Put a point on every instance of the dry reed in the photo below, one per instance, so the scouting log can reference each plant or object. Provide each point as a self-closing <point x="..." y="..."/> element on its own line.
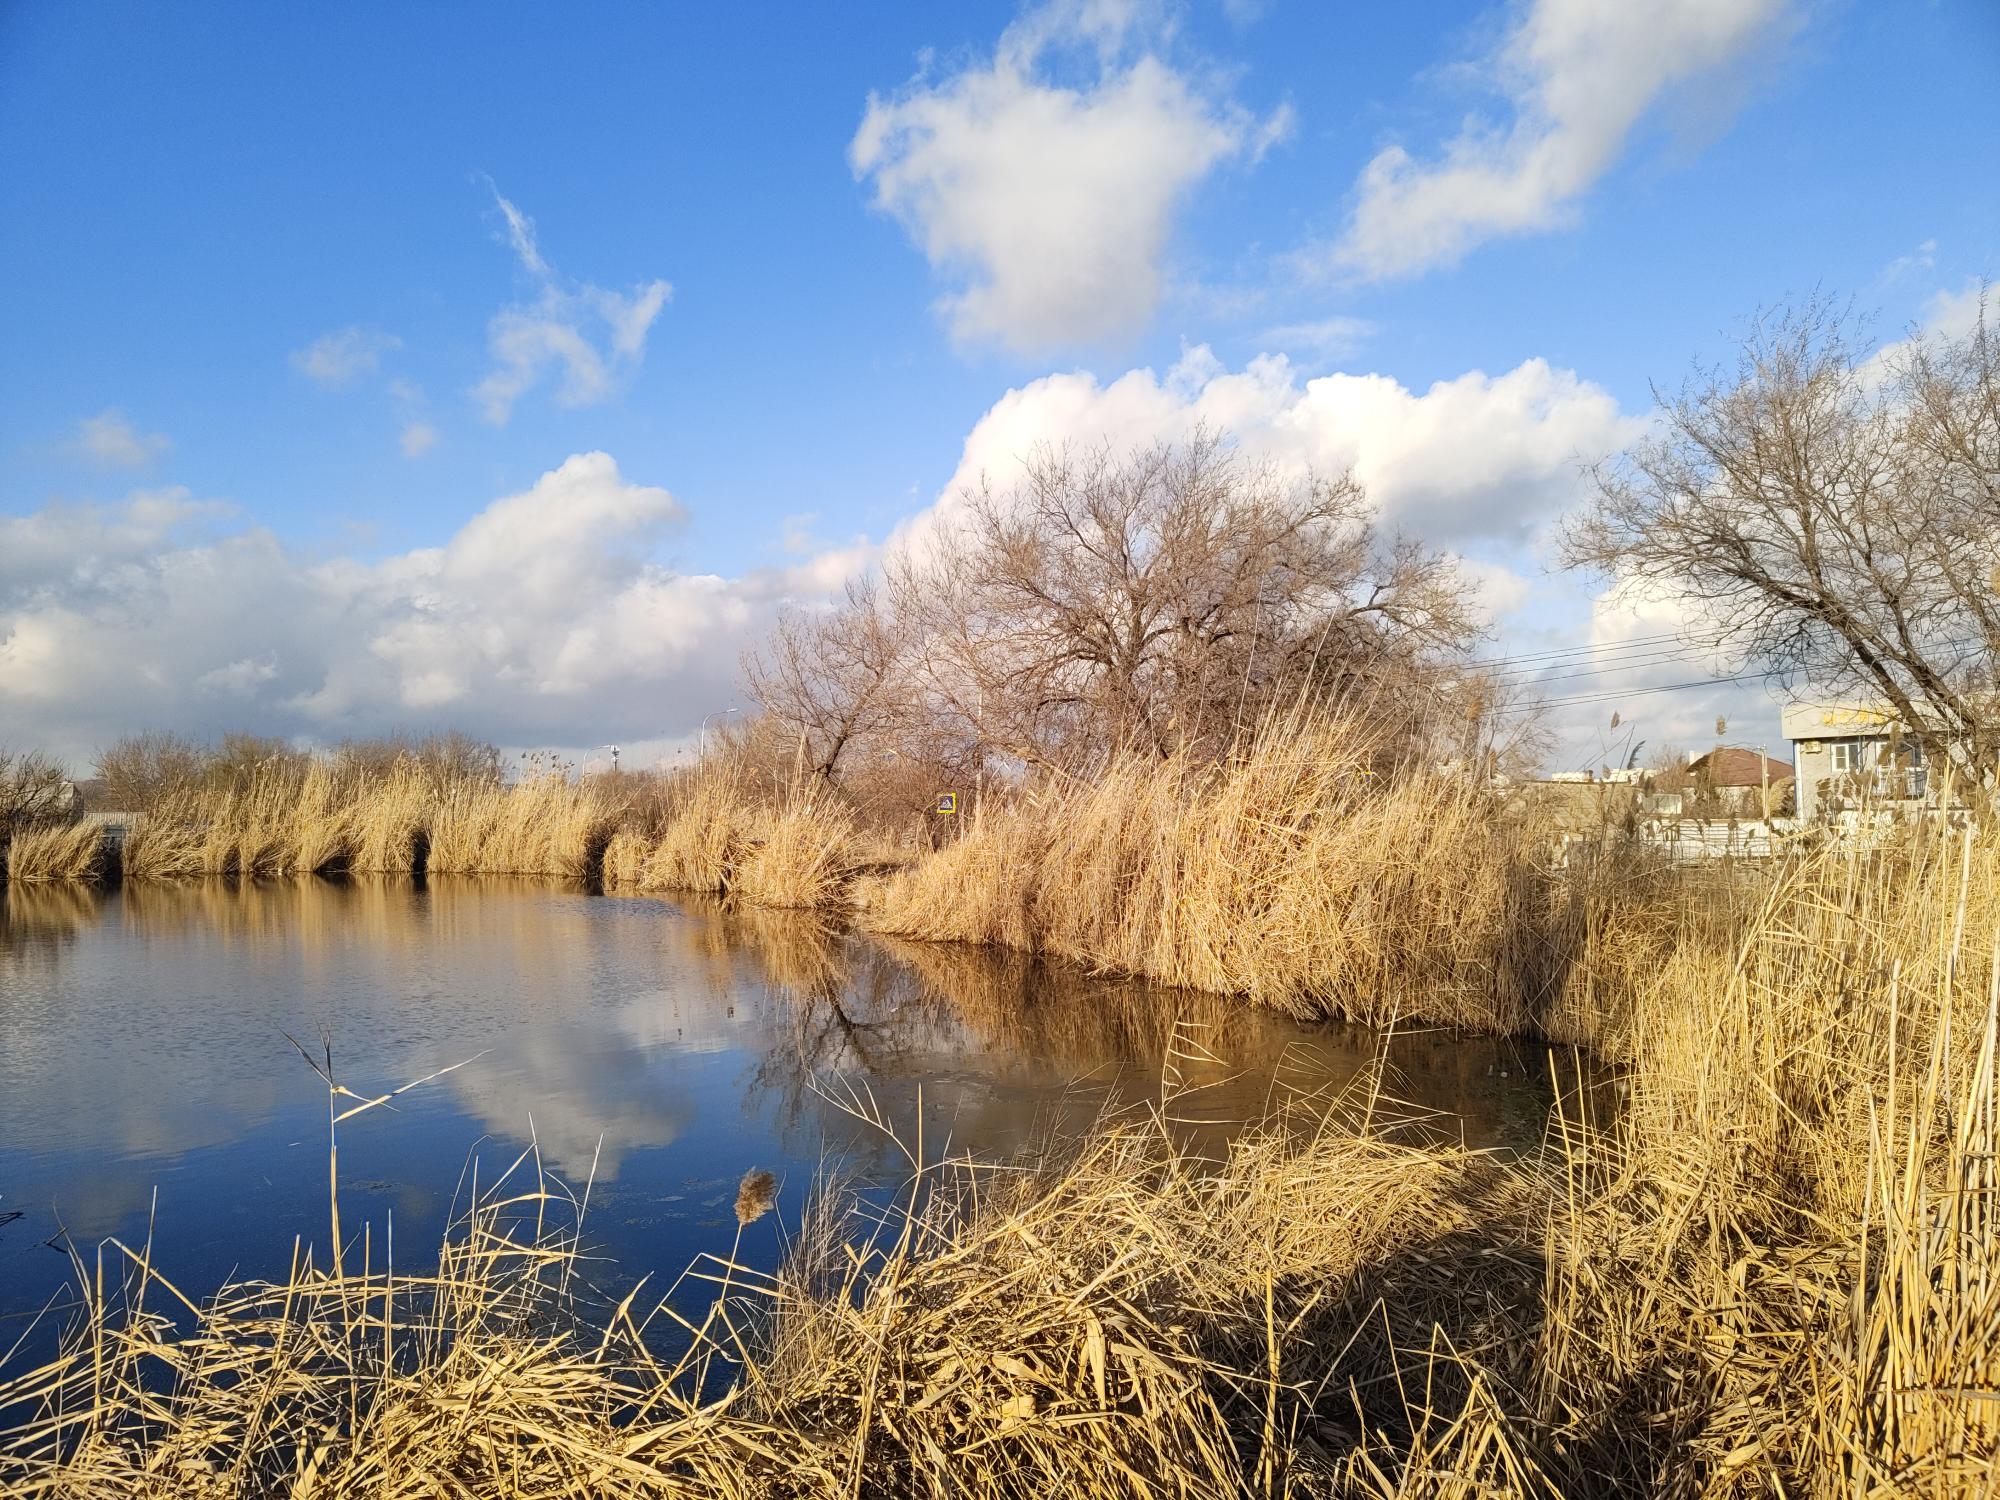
<point x="1301" y="873"/>
<point x="60" y="851"/>
<point x="796" y="851"/>
<point x="703" y="841"/>
<point x="546" y="825"/>
<point x="1775" y="1271"/>
<point x="802" y="856"/>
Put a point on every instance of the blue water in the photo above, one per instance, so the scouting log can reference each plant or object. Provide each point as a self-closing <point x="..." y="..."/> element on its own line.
<point x="653" y="1050"/>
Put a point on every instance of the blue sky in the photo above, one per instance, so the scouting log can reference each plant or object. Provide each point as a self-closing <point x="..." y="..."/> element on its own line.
<point x="274" y="364"/>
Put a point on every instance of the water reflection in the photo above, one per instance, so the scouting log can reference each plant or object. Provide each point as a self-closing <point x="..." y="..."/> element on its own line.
<point x="666" y="1047"/>
<point x="38" y="921"/>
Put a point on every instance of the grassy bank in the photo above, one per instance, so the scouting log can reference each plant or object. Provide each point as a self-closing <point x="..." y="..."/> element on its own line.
<point x="1309" y="872"/>
<point x="1303" y="873"/>
<point x="1776" y="1271"/>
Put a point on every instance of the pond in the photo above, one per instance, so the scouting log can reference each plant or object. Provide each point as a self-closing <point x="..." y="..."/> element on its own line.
<point x="656" y="1050"/>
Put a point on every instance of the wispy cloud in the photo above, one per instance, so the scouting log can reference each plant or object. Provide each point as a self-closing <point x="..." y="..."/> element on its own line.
<point x="586" y="336"/>
<point x="418" y="435"/>
<point x="110" y="440"/>
<point x="1923" y="258"/>
<point x="338" y="359"/>
<point x="1324" y="339"/>
<point x="1577" y="76"/>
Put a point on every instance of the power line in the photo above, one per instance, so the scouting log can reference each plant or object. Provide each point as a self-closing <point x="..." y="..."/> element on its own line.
<point x="1594" y="648"/>
<point x="1635" y="662"/>
<point x="1616" y="694"/>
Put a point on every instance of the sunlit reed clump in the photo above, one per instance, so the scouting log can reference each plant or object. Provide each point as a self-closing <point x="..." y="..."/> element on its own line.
<point x="802" y="853"/>
<point x="1304" y="872"/>
<point x="60" y="851"/>
<point x="703" y="840"/>
<point x="548" y="824"/>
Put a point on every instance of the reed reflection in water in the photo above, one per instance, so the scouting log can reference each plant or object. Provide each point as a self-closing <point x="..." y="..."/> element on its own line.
<point x="666" y="1047"/>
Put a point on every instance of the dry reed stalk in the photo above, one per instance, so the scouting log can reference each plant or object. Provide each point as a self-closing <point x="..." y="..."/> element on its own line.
<point x="546" y="825"/>
<point x="166" y="841"/>
<point x="392" y="820"/>
<point x="69" y="851"/>
<point x="625" y="859"/>
<point x="703" y="842"/>
<point x="803" y="855"/>
<point x="1093" y="1331"/>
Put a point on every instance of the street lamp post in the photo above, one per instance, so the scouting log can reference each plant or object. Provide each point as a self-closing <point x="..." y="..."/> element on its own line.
<point x="701" y="757"/>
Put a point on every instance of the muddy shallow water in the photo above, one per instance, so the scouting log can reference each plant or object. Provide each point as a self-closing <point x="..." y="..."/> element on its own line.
<point x="657" y="1049"/>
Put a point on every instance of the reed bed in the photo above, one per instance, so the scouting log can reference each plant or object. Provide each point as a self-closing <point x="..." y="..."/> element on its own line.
<point x="704" y="838"/>
<point x="391" y="825"/>
<point x="797" y="850"/>
<point x="1303" y="873"/>
<point x="1775" y="1271"/>
<point x="803" y="854"/>
<point x="546" y="825"/>
<point x="277" y="818"/>
<point x="60" y="851"/>
<point x="303" y="816"/>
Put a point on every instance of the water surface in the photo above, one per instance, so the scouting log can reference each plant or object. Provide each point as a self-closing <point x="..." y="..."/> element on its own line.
<point x="655" y="1049"/>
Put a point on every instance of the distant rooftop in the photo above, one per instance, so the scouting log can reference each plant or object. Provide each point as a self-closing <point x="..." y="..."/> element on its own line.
<point x="1732" y="766"/>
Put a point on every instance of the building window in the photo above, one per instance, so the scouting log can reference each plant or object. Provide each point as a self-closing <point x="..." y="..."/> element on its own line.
<point x="1903" y="770"/>
<point x="1915" y="769"/>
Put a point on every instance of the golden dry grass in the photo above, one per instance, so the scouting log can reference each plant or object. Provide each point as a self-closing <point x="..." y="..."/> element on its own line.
<point x="625" y="859"/>
<point x="546" y="825"/>
<point x="802" y="854"/>
<point x="1301" y="873"/>
<point x="704" y="837"/>
<point x="795" y="850"/>
<point x="391" y="829"/>
<point x="1774" y="1271"/>
<point x="295" y="818"/>
<point x="60" y="851"/>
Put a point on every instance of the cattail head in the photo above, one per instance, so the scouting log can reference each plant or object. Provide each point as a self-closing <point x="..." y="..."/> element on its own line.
<point x="754" y="1196"/>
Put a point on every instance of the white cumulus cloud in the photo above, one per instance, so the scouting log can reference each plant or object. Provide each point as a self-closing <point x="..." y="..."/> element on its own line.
<point x="1477" y="457"/>
<point x="1577" y="76"/>
<point x="585" y="336"/>
<point x="1050" y="205"/>
<point x="110" y="440"/>
<point x="547" y="618"/>
<point x="340" y="358"/>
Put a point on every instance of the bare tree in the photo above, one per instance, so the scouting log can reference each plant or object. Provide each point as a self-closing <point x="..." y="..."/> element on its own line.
<point x="34" y="790"/>
<point x="1160" y="601"/>
<point x="835" y="680"/>
<point x="1836" y="517"/>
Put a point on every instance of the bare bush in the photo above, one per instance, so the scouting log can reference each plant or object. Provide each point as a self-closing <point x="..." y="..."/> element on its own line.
<point x="139" y="770"/>
<point x="34" y="792"/>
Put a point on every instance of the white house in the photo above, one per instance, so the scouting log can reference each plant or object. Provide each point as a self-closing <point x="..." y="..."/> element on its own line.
<point x="1849" y="752"/>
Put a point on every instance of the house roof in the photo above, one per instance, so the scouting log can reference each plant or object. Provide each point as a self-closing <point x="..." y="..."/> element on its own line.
<point x="1731" y="766"/>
